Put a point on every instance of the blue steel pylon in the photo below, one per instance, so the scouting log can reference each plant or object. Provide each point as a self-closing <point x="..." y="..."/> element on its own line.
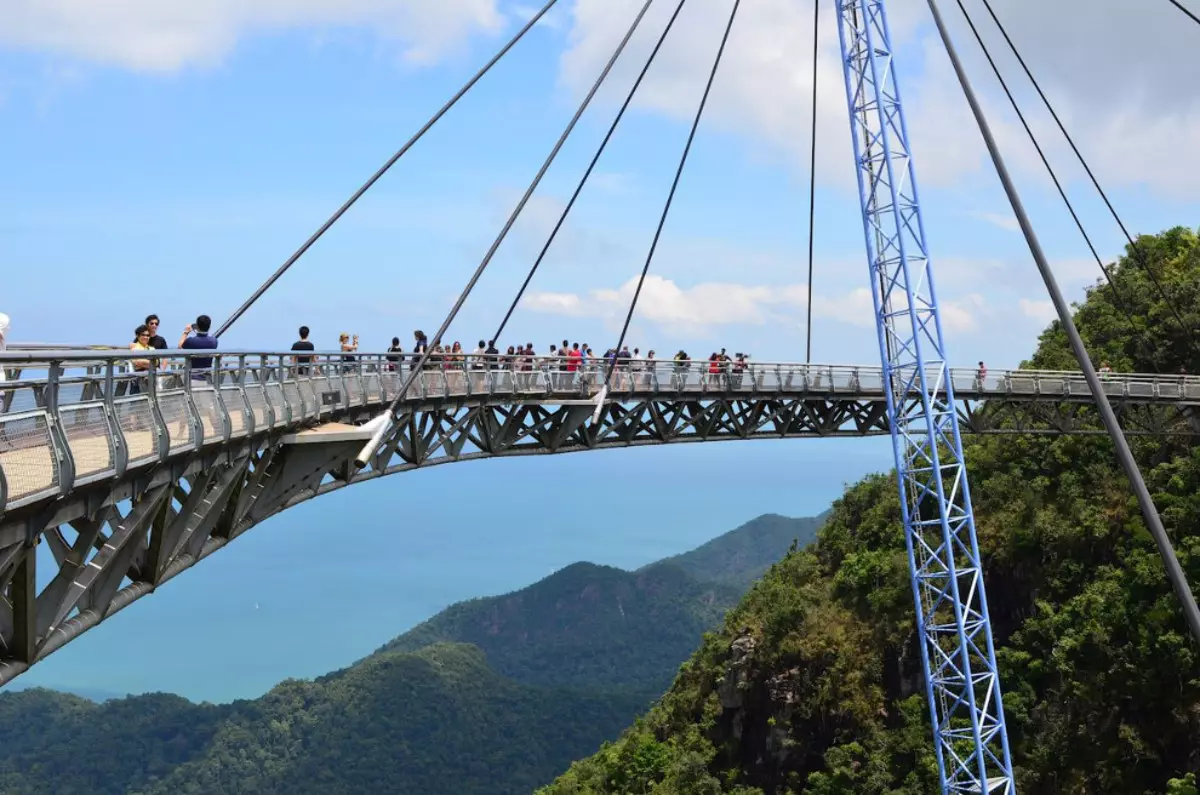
<point x="962" y="681"/>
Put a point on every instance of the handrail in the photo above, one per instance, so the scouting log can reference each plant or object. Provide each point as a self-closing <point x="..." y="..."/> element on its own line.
<point x="80" y="357"/>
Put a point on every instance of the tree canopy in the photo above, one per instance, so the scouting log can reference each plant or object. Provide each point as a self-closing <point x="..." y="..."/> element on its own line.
<point x="813" y="683"/>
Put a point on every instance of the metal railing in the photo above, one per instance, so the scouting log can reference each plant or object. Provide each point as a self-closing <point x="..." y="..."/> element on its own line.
<point x="71" y="418"/>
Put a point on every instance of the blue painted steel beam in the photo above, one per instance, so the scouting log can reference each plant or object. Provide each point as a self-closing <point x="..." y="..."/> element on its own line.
<point x="957" y="653"/>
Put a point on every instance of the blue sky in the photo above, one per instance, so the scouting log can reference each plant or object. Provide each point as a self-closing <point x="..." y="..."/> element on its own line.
<point x="163" y="156"/>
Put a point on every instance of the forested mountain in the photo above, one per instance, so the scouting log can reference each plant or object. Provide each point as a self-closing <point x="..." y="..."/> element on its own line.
<point x="587" y="626"/>
<point x="741" y="556"/>
<point x="492" y="696"/>
<point x="813" y="684"/>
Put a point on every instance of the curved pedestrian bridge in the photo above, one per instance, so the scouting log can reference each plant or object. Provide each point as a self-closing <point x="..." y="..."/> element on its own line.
<point x="72" y="419"/>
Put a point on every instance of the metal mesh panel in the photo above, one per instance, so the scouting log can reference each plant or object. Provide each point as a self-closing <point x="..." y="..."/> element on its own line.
<point x="292" y="392"/>
<point x="26" y="455"/>
<point x="205" y="399"/>
<point x="174" y="409"/>
<point x="136" y="419"/>
<point x="354" y="391"/>
<point x="258" y="404"/>
<point x="391" y="382"/>
<point x="1021" y="385"/>
<point x="456" y="382"/>
<point x="502" y="381"/>
<point x="308" y="393"/>
<point x="275" y="398"/>
<point x="434" y="383"/>
<point x="235" y="407"/>
<point x="86" y="428"/>
<point x="374" y="388"/>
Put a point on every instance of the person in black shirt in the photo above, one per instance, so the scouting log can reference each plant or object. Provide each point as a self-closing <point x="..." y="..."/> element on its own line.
<point x="395" y="356"/>
<point x="303" y="344"/>
<point x="156" y="341"/>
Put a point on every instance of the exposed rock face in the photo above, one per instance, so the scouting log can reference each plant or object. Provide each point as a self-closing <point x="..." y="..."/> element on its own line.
<point x="738" y="672"/>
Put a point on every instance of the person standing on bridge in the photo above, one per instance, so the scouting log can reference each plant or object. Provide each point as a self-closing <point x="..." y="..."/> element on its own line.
<point x="156" y="340"/>
<point x="202" y="340"/>
<point x="303" y="344"/>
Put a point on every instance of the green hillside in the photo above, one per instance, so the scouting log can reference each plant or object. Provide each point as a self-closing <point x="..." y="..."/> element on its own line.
<point x="554" y="670"/>
<point x="587" y="626"/>
<point x="813" y="684"/>
<point x="433" y="721"/>
<point x="741" y="556"/>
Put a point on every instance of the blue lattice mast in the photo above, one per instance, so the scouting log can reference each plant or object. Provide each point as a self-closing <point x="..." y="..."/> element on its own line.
<point x="957" y="653"/>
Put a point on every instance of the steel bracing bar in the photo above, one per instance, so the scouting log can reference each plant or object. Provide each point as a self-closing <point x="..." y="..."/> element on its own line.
<point x="1124" y="455"/>
<point x="962" y="682"/>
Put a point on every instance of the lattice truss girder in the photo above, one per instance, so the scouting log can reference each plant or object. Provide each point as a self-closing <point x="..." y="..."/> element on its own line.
<point x="139" y="534"/>
<point x="962" y="683"/>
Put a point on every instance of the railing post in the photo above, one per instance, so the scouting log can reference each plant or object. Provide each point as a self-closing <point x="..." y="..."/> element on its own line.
<point x="239" y="378"/>
<point x="66" y="461"/>
<point x="119" y="446"/>
<point x="218" y="374"/>
<point x="190" y="402"/>
<point x="162" y="432"/>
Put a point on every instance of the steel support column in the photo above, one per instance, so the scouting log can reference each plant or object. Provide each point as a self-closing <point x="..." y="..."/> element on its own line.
<point x="963" y="686"/>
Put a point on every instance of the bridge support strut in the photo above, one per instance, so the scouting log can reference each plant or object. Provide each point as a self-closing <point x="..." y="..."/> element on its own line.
<point x="957" y="653"/>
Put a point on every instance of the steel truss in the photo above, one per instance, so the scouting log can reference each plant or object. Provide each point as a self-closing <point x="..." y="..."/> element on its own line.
<point x="957" y="653"/>
<point x="116" y="542"/>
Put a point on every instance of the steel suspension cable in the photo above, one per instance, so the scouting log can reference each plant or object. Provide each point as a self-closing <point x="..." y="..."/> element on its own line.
<point x="671" y="196"/>
<point x="1154" y="523"/>
<point x="562" y="218"/>
<point x="418" y="366"/>
<point x="1185" y="10"/>
<point x="1120" y="302"/>
<point x="358" y="194"/>
<point x="1136" y="250"/>
<point x="812" y="184"/>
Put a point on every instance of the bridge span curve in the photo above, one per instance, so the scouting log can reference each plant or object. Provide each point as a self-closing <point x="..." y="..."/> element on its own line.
<point x="131" y="478"/>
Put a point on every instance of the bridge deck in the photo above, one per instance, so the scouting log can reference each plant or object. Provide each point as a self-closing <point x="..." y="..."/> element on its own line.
<point x="66" y="423"/>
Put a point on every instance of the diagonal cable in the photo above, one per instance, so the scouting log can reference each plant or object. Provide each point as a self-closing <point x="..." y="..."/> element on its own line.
<point x="812" y="183"/>
<point x="1138" y="253"/>
<point x="1185" y="10"/>
<point x="562" y="218"/>
<point x="674" y="186"/>
<point x="383" y="170"/>
<point x="1120" y="302"/>
<point x="418" y="366"/>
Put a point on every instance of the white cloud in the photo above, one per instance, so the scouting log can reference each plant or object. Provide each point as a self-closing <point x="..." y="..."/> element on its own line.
<point x="1041" y="311"/>
<point x="663" y="301"/>
<point x="167" y="35"/>
<point x="1005" y="221"/>
<point x="1130" y="111"/>
<point x="959" y="316"/>
<point x="709" y="304"/>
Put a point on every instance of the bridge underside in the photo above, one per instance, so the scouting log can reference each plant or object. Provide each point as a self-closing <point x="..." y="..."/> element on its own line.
<point x="114" y="542"/>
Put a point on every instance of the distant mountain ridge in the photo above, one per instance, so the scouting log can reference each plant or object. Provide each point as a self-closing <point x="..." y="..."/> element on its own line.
<point x="744" y="554"/>
<point x="489" y="697"/>
<point x="586" y="626"/>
